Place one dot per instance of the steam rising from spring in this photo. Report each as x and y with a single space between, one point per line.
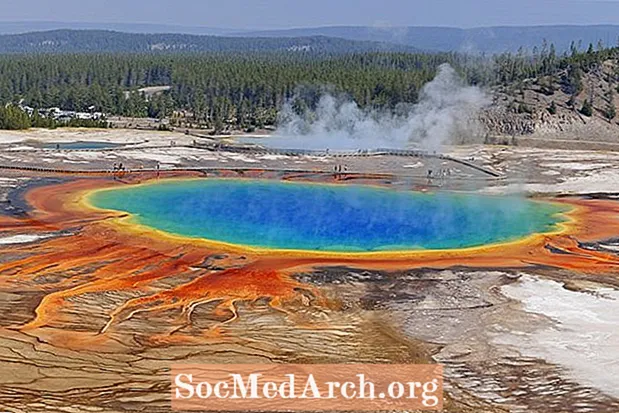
446 113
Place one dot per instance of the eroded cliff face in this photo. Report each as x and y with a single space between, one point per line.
499 120
544 108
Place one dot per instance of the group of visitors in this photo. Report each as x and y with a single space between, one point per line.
338 170
118 170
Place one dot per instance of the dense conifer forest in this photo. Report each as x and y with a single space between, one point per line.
246 90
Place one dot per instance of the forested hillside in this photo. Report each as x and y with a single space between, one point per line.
246 90
105 41
213 88
100 37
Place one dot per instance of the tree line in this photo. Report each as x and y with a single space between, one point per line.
247 90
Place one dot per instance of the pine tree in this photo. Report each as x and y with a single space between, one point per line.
587 108
552 109
610 112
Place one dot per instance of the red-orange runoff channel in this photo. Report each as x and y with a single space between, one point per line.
101 254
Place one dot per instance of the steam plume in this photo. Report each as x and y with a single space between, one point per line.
446 113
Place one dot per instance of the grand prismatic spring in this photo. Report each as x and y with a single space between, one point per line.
263 231
315 217
247 266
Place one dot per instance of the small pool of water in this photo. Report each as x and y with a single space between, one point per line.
284 215
82 145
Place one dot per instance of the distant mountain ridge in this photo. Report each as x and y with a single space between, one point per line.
105 41
489 40
476 40
20 27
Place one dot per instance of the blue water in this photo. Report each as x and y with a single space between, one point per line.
284 215
82 145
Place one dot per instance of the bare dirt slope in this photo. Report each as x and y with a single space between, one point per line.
525 109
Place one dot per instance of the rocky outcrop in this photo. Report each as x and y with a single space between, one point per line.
535 109
499 120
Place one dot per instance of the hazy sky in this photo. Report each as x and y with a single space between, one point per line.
261 14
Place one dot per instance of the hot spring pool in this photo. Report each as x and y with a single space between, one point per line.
338 218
